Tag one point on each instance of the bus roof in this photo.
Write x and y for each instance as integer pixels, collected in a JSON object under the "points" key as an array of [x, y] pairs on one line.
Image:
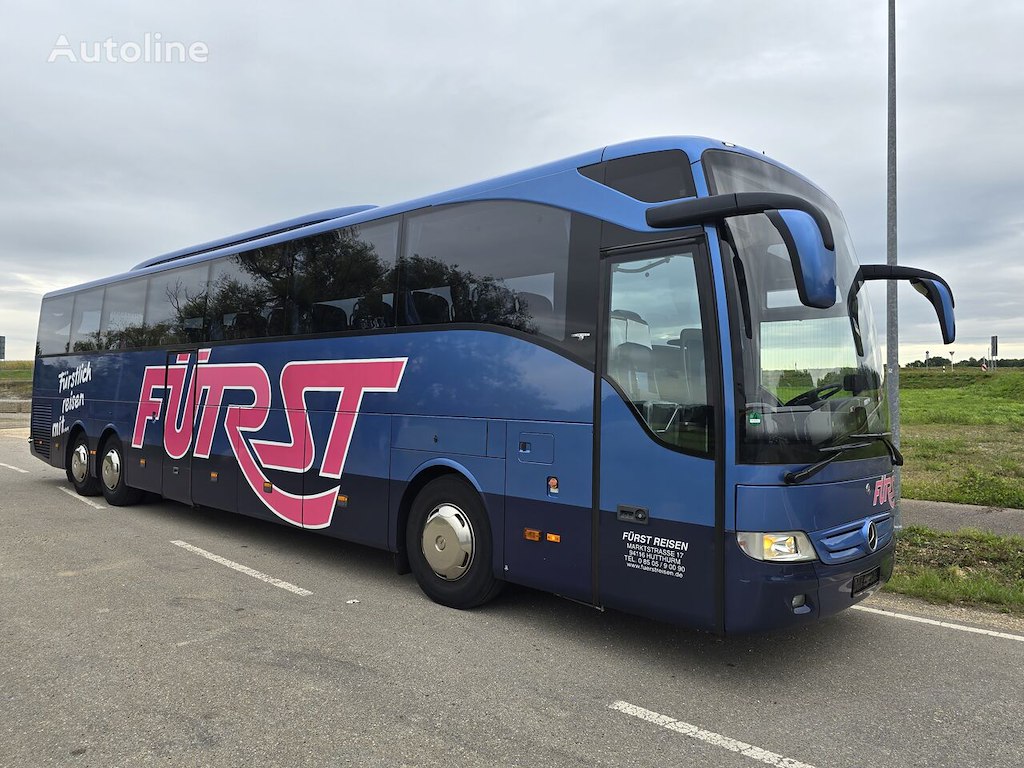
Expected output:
{"points": [[255, 234], [556, 183]]}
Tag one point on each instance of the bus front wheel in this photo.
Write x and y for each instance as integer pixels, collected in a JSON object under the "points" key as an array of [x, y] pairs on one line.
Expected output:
{"points": [[78, 473], [448, 541], [115, 490]]}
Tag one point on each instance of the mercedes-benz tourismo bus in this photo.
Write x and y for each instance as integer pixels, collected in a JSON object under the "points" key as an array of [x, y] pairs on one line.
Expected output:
{"points": [[644, 378]]}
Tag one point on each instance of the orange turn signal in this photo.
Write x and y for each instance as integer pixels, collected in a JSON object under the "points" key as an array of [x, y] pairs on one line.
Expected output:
{"points": [[554, 538], [531, 534]]}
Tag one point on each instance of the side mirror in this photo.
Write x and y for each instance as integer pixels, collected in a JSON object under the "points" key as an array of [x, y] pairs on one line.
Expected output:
{"points": [[814, 265], [928, 284], [804, 228]]}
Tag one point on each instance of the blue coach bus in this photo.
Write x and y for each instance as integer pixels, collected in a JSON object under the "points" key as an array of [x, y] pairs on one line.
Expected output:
{"points": [[644, 378]]}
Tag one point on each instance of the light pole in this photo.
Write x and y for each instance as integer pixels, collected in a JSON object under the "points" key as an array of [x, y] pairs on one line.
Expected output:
{"points": [[892, 341]]}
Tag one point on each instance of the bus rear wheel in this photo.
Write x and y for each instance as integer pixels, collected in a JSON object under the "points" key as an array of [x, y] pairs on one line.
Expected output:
{"points": [[78, 468], [115, 490], [448, 540]]}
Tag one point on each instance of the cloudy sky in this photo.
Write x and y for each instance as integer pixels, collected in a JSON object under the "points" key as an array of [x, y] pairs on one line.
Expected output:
{"points": [[105, 164]]}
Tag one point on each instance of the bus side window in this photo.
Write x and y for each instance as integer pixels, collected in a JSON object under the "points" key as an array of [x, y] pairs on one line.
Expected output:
{"points": [[55, 325], [491, 263], [85, 321], [248, 294], [176, 306], [345, 279], [122, 325]]}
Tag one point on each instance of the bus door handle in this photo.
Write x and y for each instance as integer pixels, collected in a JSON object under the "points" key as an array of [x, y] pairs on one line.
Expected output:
{"points": [[628, 514]]}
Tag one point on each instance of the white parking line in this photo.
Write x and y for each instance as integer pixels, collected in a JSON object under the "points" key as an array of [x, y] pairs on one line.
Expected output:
{"points": [[708, 737], [82, 499], [944, 624], [242, 568], [16, 469]]}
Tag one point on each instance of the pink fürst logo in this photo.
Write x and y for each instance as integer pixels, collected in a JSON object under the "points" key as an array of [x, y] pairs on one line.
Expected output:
{"points": [[885, 492], [204, 384]]}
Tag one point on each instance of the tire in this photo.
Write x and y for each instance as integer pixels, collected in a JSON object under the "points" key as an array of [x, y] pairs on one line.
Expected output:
{"points": [[448, 540], [115, 491], [77, 470]]}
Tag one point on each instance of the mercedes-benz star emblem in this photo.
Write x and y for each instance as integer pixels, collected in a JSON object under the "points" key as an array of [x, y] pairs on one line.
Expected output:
{"points": [[872, 537]]}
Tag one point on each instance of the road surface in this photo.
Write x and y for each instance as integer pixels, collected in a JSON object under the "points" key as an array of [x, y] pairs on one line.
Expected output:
{"points": [[165, 635]]}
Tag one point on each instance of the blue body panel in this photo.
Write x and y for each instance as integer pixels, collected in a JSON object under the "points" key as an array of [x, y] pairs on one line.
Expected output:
{"points": [[806, 507], [644, 566], [461, 405], [537, 451]]}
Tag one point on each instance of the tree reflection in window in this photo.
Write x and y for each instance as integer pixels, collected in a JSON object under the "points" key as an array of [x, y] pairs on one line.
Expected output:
{"points": [[345, 279], [248, 297]]}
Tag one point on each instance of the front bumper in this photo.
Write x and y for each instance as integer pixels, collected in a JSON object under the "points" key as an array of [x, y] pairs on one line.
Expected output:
{"points": [[759, 596]]}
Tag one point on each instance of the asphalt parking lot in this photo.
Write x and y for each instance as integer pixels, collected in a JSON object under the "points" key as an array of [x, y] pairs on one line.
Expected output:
{"points": [[166, 635]]}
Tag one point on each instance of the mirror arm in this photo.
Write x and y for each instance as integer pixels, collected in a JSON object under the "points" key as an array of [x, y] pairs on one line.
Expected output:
{"points": [[706, 210], [885, 272]]}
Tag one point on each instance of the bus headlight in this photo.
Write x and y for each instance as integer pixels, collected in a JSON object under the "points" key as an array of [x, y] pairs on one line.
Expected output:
{"points": [[786, 547]]}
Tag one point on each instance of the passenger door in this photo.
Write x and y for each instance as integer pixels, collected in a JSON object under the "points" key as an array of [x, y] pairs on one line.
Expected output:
{"points": [[659, 530]]}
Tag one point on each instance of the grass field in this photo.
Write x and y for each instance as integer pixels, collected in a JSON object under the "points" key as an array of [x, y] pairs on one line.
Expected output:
{"points": [[963, 436], [966, 568], [15, 379]]}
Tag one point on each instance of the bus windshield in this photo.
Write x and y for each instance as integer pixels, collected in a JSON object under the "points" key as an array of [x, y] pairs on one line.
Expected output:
{"points": [[811, 378]]}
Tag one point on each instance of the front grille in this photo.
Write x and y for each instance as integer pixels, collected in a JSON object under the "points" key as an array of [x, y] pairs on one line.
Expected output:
{"points": [[42, 419], [847, 541]]}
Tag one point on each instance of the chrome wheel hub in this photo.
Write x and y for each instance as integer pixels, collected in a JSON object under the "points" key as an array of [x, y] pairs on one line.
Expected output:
{"points": [[79, 463], [111, 469], [448, 542]]}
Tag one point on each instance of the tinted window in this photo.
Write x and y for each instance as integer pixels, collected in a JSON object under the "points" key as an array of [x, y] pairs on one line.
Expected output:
{"points": [[345, 279], [248, 296], [496, 263], [652, 177], [176, 306], [55, 325], [85, 321], [121, 324]]}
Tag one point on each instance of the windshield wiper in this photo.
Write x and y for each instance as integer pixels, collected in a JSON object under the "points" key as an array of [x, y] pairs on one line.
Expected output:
{"points": [[835, 451], [886, 437]]}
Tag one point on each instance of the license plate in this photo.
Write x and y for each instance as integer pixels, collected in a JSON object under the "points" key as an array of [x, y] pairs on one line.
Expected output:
{"points": [[867, 579]]}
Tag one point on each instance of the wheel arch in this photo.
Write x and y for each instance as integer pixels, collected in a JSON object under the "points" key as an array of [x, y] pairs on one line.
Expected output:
{"points": [[105, 434], [423, 474]]}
